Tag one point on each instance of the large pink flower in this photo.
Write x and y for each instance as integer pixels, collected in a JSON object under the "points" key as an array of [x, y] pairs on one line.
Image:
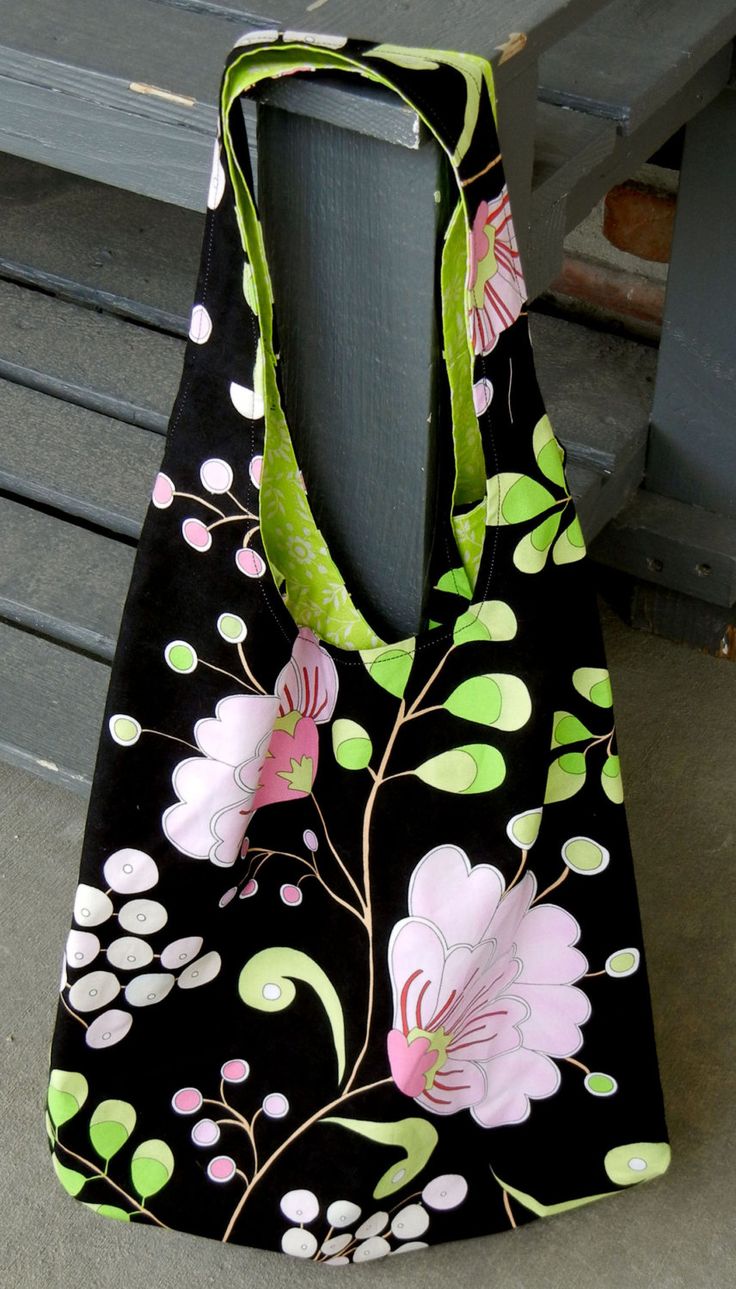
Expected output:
{"points": [[495, 278], [216, 791], [483, 992], [307, 692], [257, 749]]}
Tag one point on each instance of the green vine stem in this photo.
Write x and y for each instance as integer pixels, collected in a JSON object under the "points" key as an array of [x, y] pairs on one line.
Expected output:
{"points": [[98, 1172]]}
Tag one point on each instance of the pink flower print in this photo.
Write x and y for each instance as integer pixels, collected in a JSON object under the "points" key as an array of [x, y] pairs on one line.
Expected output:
{"points": [[307, 691], [308, 682], [216, 791], [483, 992], [495, 279], [291, 763], [258, 749]]}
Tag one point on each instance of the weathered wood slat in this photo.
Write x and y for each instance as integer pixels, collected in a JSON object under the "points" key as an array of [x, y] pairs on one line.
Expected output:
{"points": [[626, 61], [598, 388], [186, 43], [77, 462], [64, 288], [673, 544], [51, 713], [113, 241], [62, 581], [83, 396], [359, 107], [43, 340], [565, 195]]}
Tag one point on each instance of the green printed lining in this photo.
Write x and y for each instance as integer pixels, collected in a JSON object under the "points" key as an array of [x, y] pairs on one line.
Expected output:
{"points": [[315, 591]]}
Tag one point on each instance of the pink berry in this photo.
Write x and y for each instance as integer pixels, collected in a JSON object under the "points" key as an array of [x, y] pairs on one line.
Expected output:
{"points": [[196, 534], [250, 888], [250, 562], [235, 1071], [291, 894], [163, 491], [187, 1100], [221, 1169]]}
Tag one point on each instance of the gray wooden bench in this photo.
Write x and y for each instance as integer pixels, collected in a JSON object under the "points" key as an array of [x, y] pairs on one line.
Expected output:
{"points": [[99, 254]]}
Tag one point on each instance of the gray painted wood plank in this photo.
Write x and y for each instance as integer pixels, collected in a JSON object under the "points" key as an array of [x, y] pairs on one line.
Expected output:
{"points": [[52, 709], [185, 45], [673, 544], [629, 59], [457, 24], [93, 125], [566, 195], [60, 580], [91, 351], [692, 453], [598, 389], [78, 462], [64, 288], [109, 240], [360, 107], [599, 496]]}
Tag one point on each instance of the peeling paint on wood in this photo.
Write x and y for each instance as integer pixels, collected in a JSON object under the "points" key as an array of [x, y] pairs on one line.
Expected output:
{"points": [[139, 87], [514, 45]]}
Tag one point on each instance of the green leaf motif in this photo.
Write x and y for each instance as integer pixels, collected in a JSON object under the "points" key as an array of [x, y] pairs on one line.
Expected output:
{"points": [[611, 781], [109, 1210], [570, 544], [390, 666], [266, 983], [71, 1180], [565, 777], [547, 1210], [514, 499], [151, 1167], [584, 855], [67, 1094], [498, 700], [351, 744], [549, 452], [110, 1127], [523, 829], [567, 728], [638, 1162], [594, 683], [455, 580], [531, 553], [488, 620], [415, 1137], [476, 767]]}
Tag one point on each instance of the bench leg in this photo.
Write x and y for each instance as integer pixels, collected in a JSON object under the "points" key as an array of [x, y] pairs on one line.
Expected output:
{"points": [[692, 444]]}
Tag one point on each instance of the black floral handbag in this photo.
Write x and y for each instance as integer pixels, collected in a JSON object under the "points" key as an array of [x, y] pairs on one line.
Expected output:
{"points": [[355, 964]]}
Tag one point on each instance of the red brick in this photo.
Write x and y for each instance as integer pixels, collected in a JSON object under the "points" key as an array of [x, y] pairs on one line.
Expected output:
{"points": [[639, 219]]}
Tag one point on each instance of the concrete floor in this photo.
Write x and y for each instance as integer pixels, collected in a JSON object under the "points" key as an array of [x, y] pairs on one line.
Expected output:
{"points": [[676, 711]]}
